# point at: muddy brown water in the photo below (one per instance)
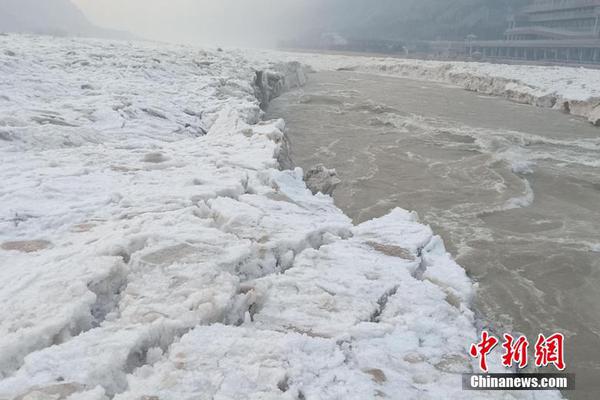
(514, 191)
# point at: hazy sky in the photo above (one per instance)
(226, 22)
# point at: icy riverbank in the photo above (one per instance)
(151, 248)
(574, 91)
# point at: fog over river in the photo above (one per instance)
(514, 191)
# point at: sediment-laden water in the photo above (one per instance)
(514, 191)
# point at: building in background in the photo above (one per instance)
(556, 19)
(541, 32)
(560, 31)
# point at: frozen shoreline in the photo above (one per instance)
(574, 91)
(152, 248)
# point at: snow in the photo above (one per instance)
(150, 246)
(575, 90)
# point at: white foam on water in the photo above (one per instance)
(523, 201)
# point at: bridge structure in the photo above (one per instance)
(561, 31)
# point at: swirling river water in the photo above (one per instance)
(513, 190)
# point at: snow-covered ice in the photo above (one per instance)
(151, 247)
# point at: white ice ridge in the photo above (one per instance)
(573, 90)
(151, 247)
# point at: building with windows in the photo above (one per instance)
(564, 31)
(556, 19)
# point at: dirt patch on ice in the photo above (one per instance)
(85, 227)
(155, 158)
(377, 375)
(58, 391)
(26, 246)
(392, 251)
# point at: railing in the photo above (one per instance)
(588, 33)
(563, 15)
(557, 5)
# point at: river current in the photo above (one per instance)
(513, 190)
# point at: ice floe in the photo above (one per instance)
(152, 248)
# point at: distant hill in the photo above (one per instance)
(56, 17)
(416, 19)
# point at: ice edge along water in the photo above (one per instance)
(151, 247)
(572, 90)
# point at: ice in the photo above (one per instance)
(594, 116)
(320, 179)
(151, 246)
(353, 319)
